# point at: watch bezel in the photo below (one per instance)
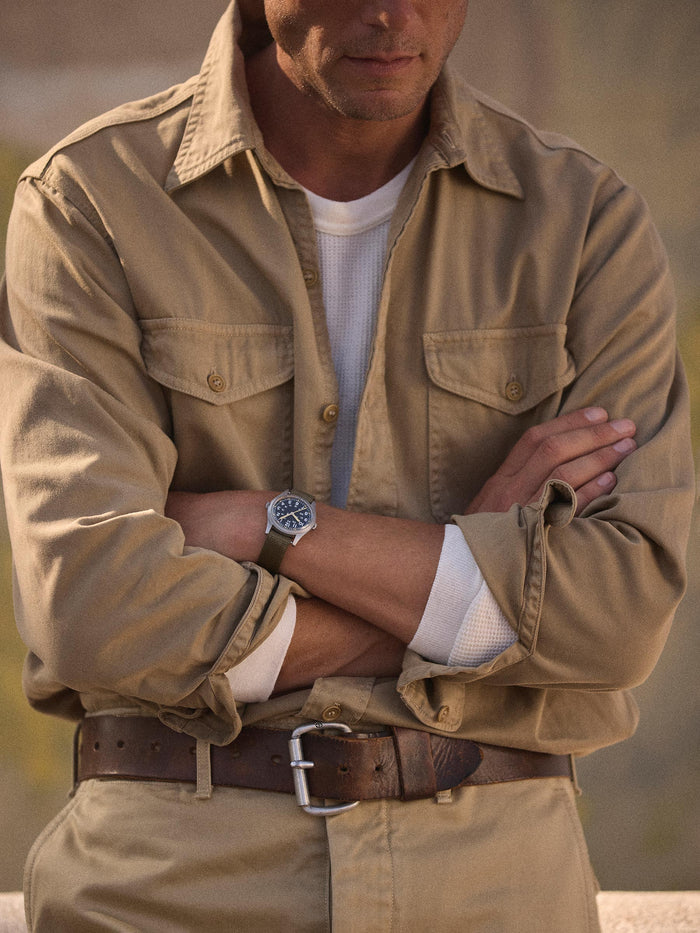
(274, 522)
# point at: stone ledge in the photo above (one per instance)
(12, 913)
(649, 911)
(620, 912)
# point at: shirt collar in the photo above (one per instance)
(460, 129)
(221, 123)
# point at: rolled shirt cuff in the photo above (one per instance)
(462, 624)
(254, 679)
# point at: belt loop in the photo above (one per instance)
(204, 785)
(77, 739)
(574, 777)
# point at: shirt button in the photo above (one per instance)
(514, 391)
(331, 713)
(443, 714)
(310, 277)
(330, 414)
(216, 382)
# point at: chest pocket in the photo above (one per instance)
(231, 400)
(485, 388)
(218, 363)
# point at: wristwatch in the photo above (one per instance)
(290, 516)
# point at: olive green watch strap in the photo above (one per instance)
(277, 541)
(299, 494)
(273, 550)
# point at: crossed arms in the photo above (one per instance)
(370, 576)
(114, 610)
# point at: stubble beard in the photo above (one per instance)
(368, 109)
(380, 104)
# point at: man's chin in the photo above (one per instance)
(376, 105)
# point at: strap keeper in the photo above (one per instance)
(414, 756)
(204, 783)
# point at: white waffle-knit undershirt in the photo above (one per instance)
(462, 624)
(352, 241)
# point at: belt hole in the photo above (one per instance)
(379, 767)
(193, 749)
(120, 743)
(344, 769)
(155, 746)
(96, 746)
(276, 759)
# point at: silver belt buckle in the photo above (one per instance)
(300, 765)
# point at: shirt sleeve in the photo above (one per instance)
(109, 599)
(592, 594)
(253, 679)
(462, 624)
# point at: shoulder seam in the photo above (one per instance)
(90, 215)
(545, 137)
(112, 118)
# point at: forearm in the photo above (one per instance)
(328, 641)
(382, 569)
(379, 569)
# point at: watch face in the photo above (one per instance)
(292, 514)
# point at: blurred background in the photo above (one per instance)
(620, 76)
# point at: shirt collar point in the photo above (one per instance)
(187, 169)
(463, 135)
(503, 181)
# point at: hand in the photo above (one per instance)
(581, 448)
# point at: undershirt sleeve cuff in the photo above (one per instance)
(254, 679)
(462, 624)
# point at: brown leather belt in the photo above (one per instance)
(405, 763)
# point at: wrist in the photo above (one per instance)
(246, 524)
(290, 516)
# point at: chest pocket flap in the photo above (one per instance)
(510, 370)
(219, 363)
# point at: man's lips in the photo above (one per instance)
(382, 64)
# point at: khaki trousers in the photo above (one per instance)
(151, 858)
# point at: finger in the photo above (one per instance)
(574, 458)
(540, 453)
(600, 486)
(548, 451)
(584, 469)
(536, 435)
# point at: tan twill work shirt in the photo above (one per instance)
(163, 328)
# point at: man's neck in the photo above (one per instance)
(337, 157)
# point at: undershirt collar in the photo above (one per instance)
(347, 218)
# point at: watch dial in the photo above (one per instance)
(292, 514)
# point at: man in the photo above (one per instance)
(327, 276)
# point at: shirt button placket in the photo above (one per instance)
(330, 413)
(310, 277)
